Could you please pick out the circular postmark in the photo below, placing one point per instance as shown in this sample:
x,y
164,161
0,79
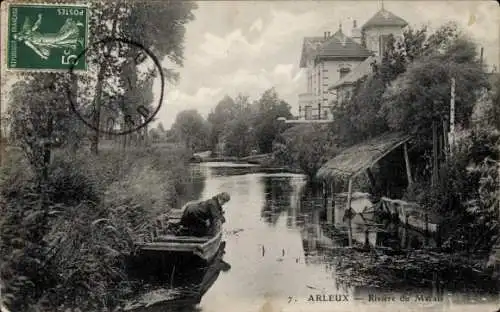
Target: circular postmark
x,y
117,102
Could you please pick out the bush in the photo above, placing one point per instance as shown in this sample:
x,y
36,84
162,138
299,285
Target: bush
x,y
306,147
466,196
64,244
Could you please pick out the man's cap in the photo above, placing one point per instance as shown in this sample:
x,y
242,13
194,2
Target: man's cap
x,y
224,196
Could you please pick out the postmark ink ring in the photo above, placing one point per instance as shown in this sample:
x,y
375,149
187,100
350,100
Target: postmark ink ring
x,y
115,107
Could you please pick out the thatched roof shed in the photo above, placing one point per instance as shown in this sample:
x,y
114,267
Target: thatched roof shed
x,y
355,159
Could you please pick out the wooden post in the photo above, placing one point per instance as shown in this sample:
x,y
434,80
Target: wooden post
x,y
434,154
349,197
441,146
435,177
329,206
406,238
452,116
407,162
333,202
370,176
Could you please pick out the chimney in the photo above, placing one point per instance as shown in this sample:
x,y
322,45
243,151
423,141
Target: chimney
x,y
326,35
356,32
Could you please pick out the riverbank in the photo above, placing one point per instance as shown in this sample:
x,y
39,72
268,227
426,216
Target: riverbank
x,y
266,162
254,159
384,267
80,226
413,268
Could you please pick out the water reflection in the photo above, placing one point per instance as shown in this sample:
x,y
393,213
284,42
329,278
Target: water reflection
x,y
282,241
277,198
192,187
182,289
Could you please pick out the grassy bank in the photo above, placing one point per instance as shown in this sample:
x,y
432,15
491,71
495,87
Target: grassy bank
x,y
63,242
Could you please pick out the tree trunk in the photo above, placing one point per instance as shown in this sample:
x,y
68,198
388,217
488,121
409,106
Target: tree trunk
x,y
47,149
435,156
94,145
435,176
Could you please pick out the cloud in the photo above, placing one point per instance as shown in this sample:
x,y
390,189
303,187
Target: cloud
x,y
176,101
283,69
257,25
282,27
216,48
248,47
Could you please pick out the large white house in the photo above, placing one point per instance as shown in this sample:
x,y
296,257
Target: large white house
x,y
333,62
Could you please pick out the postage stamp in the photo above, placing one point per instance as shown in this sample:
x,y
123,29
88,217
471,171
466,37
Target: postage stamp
x,y
46,37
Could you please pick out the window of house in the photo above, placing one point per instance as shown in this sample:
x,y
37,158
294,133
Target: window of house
x,y
344,71
319,83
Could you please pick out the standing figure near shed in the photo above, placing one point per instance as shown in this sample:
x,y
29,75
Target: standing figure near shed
x,y
200,218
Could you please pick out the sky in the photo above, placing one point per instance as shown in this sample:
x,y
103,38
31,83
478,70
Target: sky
x,y
249,46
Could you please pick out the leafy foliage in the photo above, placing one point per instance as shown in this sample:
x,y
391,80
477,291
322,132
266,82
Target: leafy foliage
x,y
239,135
269,109
77,231
192,129
422,93
69,219
40,118
159,27
306,147
239,127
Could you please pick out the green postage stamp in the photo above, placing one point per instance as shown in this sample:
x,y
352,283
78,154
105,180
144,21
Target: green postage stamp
x,y
46,37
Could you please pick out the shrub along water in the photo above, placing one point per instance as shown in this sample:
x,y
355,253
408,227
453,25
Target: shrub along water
x,y
64,244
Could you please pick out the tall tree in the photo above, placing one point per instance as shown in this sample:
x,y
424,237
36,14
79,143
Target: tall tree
x,y
362,118
160,128
224,112
192,129
40,118
422,93
158,26
306,147
269,108
239,136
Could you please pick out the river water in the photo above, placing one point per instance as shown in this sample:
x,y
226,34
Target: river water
x,y
278,250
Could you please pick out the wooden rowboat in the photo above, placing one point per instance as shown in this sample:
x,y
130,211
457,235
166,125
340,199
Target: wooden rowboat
x,y
164,254
204,248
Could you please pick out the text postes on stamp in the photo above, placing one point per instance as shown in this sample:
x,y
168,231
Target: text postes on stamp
x,y
46,37
123,100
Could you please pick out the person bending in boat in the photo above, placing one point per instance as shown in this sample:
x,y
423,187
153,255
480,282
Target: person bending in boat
x,y
199,218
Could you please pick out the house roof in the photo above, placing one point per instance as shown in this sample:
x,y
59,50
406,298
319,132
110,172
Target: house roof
x,y
360,71
353,160
342,46
310,46
337,45
384,18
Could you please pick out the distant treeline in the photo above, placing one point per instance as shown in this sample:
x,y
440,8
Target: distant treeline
x,y
236,127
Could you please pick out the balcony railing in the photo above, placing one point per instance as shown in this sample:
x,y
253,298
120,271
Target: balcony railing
x,y
306,98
